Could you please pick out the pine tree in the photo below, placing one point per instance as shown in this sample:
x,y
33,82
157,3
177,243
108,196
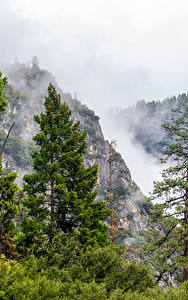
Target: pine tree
x,y
168,237
61,191
8,193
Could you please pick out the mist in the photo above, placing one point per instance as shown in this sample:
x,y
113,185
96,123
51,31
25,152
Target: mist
x,y
144,167
111,53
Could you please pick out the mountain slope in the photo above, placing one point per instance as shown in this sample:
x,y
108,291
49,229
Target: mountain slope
x,y
144,123
25,95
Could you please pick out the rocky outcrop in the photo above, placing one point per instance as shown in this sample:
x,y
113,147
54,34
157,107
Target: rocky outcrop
x,y
25,96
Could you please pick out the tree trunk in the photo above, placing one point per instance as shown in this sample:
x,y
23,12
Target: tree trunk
x,y
111,203
185,270
52,208
111,193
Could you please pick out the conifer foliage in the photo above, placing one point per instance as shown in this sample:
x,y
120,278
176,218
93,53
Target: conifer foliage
x,y
3,102
8,193
168,238
61,191
8,211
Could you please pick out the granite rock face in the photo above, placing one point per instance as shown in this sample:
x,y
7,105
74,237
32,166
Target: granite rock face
x,y
25,93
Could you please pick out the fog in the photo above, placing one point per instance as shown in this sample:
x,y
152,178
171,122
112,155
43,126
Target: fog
x,y
144,167
111,53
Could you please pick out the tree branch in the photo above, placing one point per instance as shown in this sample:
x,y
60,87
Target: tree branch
x,y
5,141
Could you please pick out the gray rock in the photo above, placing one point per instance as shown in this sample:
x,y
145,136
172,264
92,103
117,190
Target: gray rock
x,y
25,96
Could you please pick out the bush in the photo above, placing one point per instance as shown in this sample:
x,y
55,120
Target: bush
x,y
17,282
36,279
70,262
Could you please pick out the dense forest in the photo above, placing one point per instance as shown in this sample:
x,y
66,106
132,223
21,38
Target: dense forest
x,y
54,239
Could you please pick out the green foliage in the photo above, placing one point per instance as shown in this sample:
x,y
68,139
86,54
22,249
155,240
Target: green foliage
x,y
69,272
83,275
63,223
8,195
61,191
167,246
3,102
106,266
8,211
22,282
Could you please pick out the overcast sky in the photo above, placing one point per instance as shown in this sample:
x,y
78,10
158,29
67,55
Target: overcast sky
x,y
111,52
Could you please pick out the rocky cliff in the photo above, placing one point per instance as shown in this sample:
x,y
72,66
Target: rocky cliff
x,y
25,93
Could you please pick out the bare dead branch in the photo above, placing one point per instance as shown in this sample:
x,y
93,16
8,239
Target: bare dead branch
x,y
5,141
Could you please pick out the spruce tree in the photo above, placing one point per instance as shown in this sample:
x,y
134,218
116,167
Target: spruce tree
x,y
168,237
61,190
8,193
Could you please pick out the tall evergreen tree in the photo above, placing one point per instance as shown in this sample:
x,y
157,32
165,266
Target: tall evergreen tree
x,y
61,191
168,238
8,193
